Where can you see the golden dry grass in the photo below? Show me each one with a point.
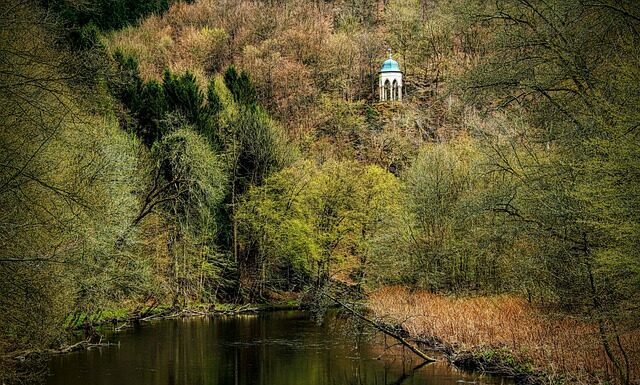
(559, 346)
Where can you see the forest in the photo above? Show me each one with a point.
(166, 154)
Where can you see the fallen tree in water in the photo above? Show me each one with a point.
(384, 328)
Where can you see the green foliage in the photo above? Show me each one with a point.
(259, 147)
(218, 114)
(309, 221)
(570, 163)
(128, 84)
(152, 106)
(195, 176)
(343, 120)
(86, 38)
(67, 179)
(445, 239)
(274, 216)
(571, 169)
(214, 102)
(240, 86)
(93, 219)
(183, 95)
(190, 184)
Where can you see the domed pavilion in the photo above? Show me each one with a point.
(390, 80)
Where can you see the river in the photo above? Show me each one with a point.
(278, 348)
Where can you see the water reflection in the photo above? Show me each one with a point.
(277, 348)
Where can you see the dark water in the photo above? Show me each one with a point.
(279, 348)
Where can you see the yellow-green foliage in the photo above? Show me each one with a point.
(67, 181)
(319, 220)
(191, 197)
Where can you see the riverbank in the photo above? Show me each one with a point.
(23, 366)
(123, 317)
(505, 335)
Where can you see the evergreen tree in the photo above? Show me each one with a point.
(184, 96)
(240, 86)
(152, 109)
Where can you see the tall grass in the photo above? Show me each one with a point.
(561, 346)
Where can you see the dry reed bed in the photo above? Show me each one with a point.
(558, 346)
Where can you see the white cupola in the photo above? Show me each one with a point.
(390, 80)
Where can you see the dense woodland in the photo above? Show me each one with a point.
(157, 153)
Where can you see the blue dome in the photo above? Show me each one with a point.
(390, 65)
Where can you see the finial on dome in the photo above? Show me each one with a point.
(389, 50)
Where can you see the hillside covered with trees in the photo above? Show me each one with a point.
(170, 154)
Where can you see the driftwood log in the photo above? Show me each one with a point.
(84, 344)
